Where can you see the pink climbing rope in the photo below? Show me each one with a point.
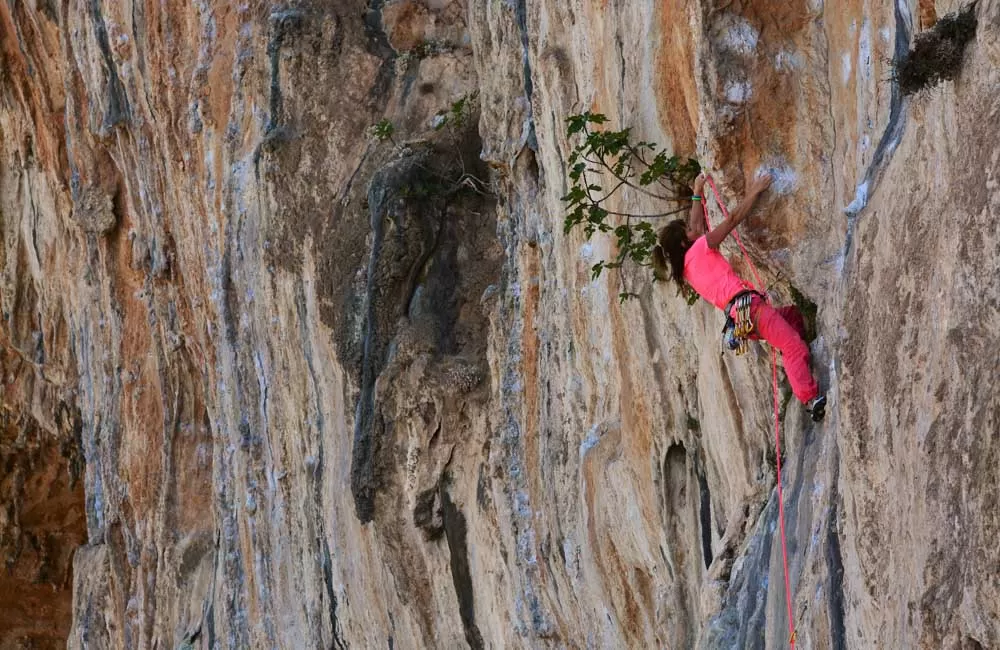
(759, 286)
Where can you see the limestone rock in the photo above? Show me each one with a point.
(323, 391)
(94, 211)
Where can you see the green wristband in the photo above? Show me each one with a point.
(696, 198)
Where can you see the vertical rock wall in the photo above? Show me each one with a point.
(326, 391)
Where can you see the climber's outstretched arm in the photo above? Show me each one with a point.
(742, 211)
(696, 217)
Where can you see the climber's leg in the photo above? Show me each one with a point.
(769, 325)
(793, 317)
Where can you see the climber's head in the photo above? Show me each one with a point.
(672, 241)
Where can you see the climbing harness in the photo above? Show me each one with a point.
(738, 328)
(759, 287)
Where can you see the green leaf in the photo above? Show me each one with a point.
(578, 123)
(382, 130)
(573, 218)
(575, 195)
(611, 143)
(658, 167)
(596, 214)
(458, 110)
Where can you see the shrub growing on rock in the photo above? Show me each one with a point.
(455, 122)
(937, 53)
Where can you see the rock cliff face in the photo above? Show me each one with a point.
(281, 385)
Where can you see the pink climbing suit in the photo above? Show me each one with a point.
(709, 273)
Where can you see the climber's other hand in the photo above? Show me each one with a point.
(761, 183)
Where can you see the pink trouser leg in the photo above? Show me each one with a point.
(793, 317)
(773, 328)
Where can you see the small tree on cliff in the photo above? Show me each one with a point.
(937, 53)
(601, 164)
(453, 122)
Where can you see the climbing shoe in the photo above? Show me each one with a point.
(817, 408)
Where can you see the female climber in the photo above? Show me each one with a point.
(693, 257)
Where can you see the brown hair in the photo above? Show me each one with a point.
(671, 244)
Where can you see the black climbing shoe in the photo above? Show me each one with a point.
(817, 408)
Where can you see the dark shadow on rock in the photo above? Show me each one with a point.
(429, 232)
